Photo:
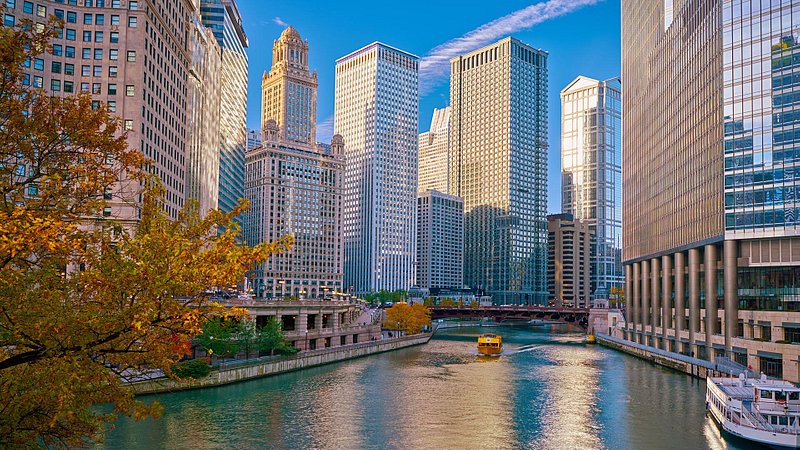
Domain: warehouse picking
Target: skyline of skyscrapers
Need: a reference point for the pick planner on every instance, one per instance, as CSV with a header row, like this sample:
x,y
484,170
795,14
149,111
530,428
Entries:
x,y
591,172
498,165
376,111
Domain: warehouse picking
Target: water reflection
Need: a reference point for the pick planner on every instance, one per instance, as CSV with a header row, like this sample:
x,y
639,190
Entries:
x,y
547,391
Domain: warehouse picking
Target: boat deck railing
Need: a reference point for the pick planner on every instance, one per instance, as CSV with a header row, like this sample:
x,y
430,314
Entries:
x,y
756,419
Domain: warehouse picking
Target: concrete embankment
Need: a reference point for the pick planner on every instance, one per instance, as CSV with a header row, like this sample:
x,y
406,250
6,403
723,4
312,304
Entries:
x,y
693,366
234,373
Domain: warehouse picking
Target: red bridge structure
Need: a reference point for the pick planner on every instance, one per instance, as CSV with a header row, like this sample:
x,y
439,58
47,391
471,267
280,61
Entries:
x,y
574,316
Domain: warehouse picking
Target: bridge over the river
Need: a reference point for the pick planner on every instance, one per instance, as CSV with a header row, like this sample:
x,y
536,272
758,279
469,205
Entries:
x,y
500,313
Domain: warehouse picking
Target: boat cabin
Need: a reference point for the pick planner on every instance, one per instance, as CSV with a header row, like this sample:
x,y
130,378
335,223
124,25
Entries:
x,y
778,397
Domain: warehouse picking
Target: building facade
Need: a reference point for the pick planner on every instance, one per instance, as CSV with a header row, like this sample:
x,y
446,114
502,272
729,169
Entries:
x,y
289,90
377,114
224,20
710,238
136,59
295,187
205,91
253,138
591,172
440,240
433,150
569,259
498,165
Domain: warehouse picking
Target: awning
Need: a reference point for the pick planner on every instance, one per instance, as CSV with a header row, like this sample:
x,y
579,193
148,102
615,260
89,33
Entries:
x,y
763,354
790,325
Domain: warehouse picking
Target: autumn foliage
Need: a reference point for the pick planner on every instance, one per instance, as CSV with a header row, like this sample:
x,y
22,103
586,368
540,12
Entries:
x,y
407,318
86,301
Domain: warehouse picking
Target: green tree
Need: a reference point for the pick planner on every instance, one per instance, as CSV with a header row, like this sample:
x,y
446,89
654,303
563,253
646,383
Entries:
x,y
270,337
220,336
87,301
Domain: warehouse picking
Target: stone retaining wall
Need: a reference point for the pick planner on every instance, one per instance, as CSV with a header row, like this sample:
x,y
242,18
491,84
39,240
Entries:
x,y
228,375
692,366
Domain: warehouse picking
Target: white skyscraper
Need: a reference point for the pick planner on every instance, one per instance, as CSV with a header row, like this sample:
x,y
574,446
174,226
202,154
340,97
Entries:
x,y
377,114
440,240
433,144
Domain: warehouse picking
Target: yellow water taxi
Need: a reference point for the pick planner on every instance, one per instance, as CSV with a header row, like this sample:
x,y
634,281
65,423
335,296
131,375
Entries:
x,y
490,344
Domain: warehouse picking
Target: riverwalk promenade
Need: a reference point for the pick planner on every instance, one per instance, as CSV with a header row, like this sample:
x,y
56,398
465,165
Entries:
x,y
261,367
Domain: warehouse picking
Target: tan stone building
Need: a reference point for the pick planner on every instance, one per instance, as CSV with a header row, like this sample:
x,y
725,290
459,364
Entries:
x,y
136,57
569,250
295,186
433,172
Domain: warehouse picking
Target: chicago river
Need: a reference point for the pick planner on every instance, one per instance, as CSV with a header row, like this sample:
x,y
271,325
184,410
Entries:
x,y
547,391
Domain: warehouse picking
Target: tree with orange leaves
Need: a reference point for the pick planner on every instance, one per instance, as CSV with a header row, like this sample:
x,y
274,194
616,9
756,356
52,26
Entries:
x,y
407,318
86,301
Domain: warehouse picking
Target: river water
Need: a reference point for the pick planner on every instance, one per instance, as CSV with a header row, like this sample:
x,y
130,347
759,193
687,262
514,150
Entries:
x,y
547,391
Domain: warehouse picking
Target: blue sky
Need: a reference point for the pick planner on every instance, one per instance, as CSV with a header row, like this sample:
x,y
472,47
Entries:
x,y
581,36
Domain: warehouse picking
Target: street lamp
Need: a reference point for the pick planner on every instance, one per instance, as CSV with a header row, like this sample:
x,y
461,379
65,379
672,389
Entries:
x,y
302,293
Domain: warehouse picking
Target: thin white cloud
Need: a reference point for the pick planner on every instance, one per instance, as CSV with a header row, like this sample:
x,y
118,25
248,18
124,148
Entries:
x,y
435,66
280,22
325,130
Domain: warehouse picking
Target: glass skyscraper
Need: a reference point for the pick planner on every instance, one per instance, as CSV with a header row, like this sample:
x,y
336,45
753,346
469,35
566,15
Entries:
x,y
222,17
710,231
591,172
498,165
377,114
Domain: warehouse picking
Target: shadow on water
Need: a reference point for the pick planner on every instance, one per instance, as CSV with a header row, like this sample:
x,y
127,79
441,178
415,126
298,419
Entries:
x,y
546,391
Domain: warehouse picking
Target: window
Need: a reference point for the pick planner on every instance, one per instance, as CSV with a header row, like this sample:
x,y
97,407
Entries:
x,y
59,33
59,13
38,81
39,27
70,34
131,55
95,105
69,69
112,71
128,124
87,19
114,19
41,11
112,106
106,211
8,20
115,3
101,3
97,88
112,89
26,79
72,17
55,67
131,22
33,190
791,334
113,54
99,19
85,70
98,36
98,53
97,71
69,86
69,51
38,64
27,7
114,37
129,90
133,5
58,50
26,63
84,87
87,36
11,4
86,53
55,85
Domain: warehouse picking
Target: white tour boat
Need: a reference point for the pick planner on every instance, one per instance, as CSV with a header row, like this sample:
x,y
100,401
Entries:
x,y
759,410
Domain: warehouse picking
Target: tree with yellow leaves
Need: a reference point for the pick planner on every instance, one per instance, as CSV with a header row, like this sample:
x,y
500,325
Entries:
x,y
87,302
407,318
